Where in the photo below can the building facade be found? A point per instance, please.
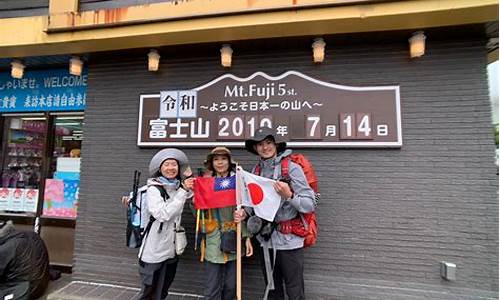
(389, 214)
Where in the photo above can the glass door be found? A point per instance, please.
(63, 182)
(23, 141)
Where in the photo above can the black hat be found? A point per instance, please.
(261, 134)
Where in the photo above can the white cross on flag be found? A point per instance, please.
(257, 192)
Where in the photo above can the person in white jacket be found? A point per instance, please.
(169, 170)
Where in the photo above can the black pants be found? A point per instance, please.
(288, 273)
(220, 281)
(156, 279)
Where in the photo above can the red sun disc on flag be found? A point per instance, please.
(256, 193)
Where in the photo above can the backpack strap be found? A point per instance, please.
(145, 233)
(284, 168)
(139, 207)
(285, 162)
(285, 173)
(163, 193)
(165, 196)
(257, 169)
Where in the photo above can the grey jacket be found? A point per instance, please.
(303, 201)
(159, 246)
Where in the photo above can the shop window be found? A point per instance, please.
(63, 183)
(22, 159)
(40, 177)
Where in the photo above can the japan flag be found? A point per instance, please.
(257, 192)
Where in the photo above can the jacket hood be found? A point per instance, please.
(283, 154)
(273, 162)
(277, 159)
(166, 186)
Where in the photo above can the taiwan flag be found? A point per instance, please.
(258, 192)
(214, 192)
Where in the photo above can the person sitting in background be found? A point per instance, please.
(24, 263)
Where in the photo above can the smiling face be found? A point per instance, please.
(169, 168)
(266, 148)
(220, 165)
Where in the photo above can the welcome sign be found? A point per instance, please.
(44, 90)
(304, 112)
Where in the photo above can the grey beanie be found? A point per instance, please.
(170, 153)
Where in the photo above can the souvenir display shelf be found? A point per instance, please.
(22, 167)
(37, 148)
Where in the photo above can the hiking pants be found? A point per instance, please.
(156, 279)
(288, 269)
(220, 281)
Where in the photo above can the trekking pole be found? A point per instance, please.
(136, 192)
(203, 237)
(135, 189)
(196, 232)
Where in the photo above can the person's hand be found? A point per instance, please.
(188, 183)
(249, 247)
(125, 200)
(283, 189)
(239, 215)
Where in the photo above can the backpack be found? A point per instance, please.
(137, 224)
(305, 224)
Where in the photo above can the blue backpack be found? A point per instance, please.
(135, 218)
(137, 223)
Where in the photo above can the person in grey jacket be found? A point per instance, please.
(169, 170)
(286, 250)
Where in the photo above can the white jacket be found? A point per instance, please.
(159, 246)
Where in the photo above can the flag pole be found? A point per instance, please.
(238, 237)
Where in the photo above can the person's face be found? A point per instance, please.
(266, 148)
(169, 168)
(221, 164)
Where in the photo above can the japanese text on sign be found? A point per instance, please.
(303, 111)
(50, 90)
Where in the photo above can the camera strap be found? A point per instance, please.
(269, 268)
